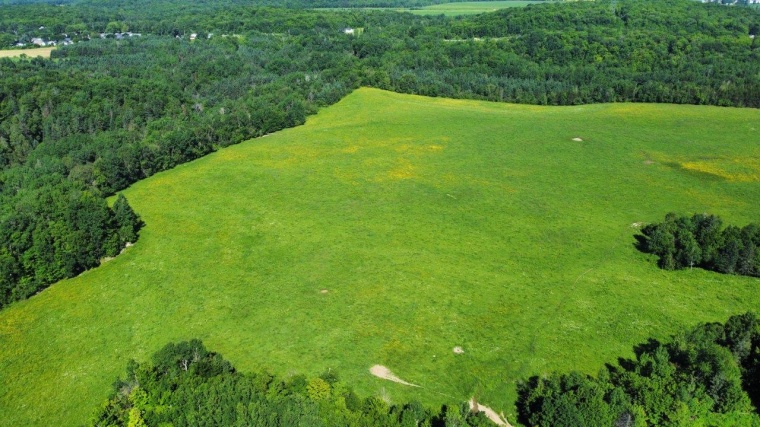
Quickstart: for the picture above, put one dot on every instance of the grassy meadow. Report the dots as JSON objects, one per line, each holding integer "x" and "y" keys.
{"x": 456, "y": 9}
{"x": 388, "y": 230}
{"x": 470, "y": 8}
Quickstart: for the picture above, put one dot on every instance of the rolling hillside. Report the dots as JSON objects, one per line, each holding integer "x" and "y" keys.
{"x": 391, "y": 229}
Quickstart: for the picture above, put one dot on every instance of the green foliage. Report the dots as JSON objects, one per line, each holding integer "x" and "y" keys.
{"x": 695, "y": 379}
{"x": 127, "y": 220}
{"x": 682, "y": 242}
{"x": 56, "y": 232}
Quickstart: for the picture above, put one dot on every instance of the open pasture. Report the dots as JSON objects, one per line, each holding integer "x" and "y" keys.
{"x": 470, "y": 8}
{"x": 455, "y": 9}
{"x": 392, "y": 230}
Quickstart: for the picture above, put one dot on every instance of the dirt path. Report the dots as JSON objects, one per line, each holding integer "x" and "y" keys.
{"x": 381, "y": 371}
{"x": 490, "y": 413}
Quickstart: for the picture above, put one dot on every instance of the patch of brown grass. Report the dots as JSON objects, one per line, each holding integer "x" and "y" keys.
{"x": 31, "y": 53}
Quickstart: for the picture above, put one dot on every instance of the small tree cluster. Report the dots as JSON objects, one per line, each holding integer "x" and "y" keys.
{"x": 701, "y": 241}
{"x": 127, "y": 221}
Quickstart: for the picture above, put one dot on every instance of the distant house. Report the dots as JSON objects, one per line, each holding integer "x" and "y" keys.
{"x": 38, "y": 41}
{"x": 349, "y": 31}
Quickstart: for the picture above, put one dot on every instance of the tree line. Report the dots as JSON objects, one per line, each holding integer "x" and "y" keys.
{"x": 701, "y": 241}
{"x": 57, "y": 232}
{"x": 104, "y": 113}
{"x": 184, "y": 384}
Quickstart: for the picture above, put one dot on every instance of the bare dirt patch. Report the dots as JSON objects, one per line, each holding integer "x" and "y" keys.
{"x": 490, "y": 413}
{"x": 381, "y": 371}
{"x": 324, "y": 291}
{"x": 578, "y": 139}
{"x": 649, "y": 162}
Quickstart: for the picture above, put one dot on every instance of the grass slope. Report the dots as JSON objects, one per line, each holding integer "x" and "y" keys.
{"x": 433, "y": 223}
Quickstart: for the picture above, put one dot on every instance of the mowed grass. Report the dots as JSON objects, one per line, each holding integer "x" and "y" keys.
{"x": 431, "y": 223}
{"x": 31, "y": 53}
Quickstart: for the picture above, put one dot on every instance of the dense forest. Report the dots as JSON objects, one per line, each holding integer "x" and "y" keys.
{"x": 701, "y": 241}
{"x": 707, "y": 375}
{"x": 111, "y": 108}
{"x": 186, "y": 385}
{"x": 305, "y": 4}
{"x": 294, "y": 4}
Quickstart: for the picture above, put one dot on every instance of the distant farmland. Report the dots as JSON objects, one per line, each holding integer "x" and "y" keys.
{"x": 470, "y": 8}
{"x": 457, "y": 9}
{"x": 31, "y": 53}
{"x": 392, "y": 229}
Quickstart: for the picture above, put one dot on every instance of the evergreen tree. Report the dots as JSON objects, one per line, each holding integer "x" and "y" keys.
{"x": 688, "y": 252}
{"x": 728, "y": 254}
{"x": 128, "y": 222}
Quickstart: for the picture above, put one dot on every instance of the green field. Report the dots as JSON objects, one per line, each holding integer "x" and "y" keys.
{"x": 430, "y": 223}
{"x": 470, "y": 8}
{"x": 456, "y": 9}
